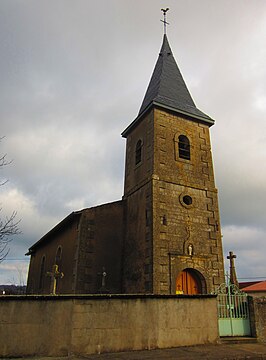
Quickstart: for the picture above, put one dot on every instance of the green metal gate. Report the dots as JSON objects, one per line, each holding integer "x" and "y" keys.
{"x": 233, "y": 311}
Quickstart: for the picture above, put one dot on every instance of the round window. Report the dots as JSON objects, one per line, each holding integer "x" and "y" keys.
{"x": 187, "y": 200}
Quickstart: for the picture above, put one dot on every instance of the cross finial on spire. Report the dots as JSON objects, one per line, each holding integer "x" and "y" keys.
{"x": 164, "y": 19}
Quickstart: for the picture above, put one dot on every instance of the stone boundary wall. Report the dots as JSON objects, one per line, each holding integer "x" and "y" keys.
{"x": 258, "y": 317}
{"x": 87, "y": 324}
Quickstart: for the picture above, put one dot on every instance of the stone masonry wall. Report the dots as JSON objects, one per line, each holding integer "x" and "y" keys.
{"x": 138, "y": 253}
{"x": 67, "y": 239}
{"x": 160, "y": 225}
{"x": 101, "y": 234}
{"x": 82, "y": 325}
{"x": 176, "y": 224}
{"x": 258, "y": 317}
{"x": 137, "y": 175}
{"x": 137, "y": 259}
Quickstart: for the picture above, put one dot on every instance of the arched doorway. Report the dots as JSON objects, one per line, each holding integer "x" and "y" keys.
{"x": 189, "y": 282}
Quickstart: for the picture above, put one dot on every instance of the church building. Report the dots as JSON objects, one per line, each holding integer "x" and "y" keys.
{"x": 164, "y": 235}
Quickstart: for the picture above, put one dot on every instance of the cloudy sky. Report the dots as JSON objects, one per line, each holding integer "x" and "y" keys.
{"x": 73, "y": 74}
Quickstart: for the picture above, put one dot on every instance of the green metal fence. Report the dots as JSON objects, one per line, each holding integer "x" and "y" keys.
{"x": 233, "y": 311}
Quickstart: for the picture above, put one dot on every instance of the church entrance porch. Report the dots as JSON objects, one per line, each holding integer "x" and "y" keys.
{"x": 190, "y": 282}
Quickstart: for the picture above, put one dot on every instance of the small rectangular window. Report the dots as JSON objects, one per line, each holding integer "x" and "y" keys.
{"x": 138, "y": 153}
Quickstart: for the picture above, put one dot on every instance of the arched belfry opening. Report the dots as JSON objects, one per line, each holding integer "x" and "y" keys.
{"x": 183, "y": 147}
{"x": 190, "y": 282}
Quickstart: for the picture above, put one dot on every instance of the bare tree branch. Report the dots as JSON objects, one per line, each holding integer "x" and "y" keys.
{"x": 8, "y": 224}
{"x": 4, "y": 162}
{"x": 8, "y": 228}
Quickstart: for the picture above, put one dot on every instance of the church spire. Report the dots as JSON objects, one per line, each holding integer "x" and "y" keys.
{"x": 167, "y": 88}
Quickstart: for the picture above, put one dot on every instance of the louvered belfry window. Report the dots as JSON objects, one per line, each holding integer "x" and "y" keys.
{"x": 183, "y": 147}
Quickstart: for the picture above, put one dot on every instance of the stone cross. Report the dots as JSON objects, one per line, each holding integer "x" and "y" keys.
{"x": 233, "y": 279}
{"x": 54, "y": 274}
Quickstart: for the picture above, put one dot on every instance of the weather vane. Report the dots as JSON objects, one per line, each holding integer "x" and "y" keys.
{"x": 164, "y": 19}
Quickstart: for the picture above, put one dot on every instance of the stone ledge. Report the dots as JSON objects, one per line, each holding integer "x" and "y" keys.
{"x": 101, "y": 297}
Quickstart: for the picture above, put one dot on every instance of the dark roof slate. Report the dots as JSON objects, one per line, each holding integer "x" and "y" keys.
{"x": 167, "y": 89}
{"x": 49, "y": 236}
{"x": 167, "y": 86}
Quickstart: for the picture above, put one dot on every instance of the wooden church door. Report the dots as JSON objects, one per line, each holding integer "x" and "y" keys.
{"x": 188, "y": 283}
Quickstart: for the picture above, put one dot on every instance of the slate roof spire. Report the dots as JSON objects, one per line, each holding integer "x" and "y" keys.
{"x": 167, "y": 87}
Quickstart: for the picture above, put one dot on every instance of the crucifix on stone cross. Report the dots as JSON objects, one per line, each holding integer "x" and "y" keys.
{"x": 54, "y": 275}
{"x": 233, "y": 279}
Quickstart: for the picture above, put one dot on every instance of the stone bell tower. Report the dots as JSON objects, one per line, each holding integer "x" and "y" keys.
{"x": 173, "y": 237}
